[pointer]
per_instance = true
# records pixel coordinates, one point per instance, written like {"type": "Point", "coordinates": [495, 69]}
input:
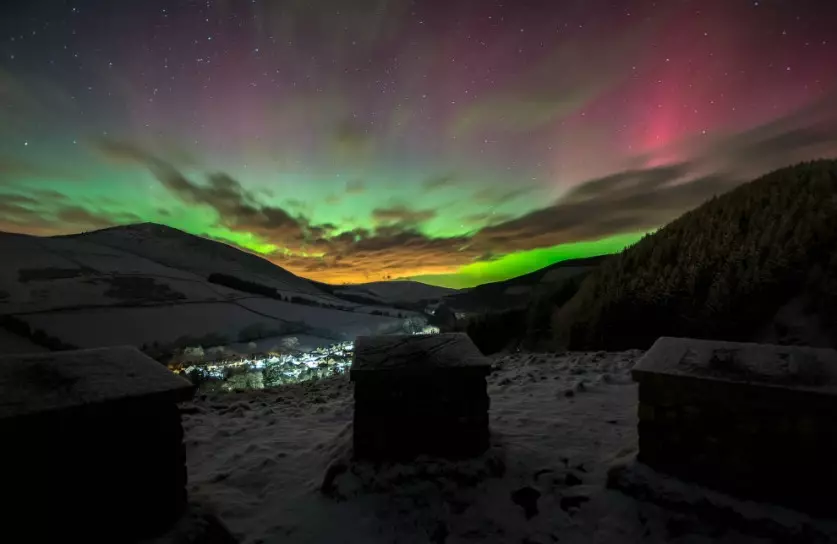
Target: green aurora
{"type": "Point", "coordinates": [452, 143]}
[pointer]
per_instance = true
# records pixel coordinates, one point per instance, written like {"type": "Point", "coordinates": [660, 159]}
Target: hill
{"type": "Point", "coordinates": [518, 291]}
{"type": "Point", "coordinates": [155, 286]}
{"type": "Point", "coordinates": [757, 263]}
{"type": "Point", "coordinates": [177, 249]}
{"type": "Point", "coordinates": [399, 291]}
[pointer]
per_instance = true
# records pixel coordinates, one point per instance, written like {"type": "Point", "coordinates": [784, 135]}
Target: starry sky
{"type": "Point", "coordinates": [455, 142]}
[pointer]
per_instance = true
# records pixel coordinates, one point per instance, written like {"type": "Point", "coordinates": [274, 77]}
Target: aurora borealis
{"type": "Point", "coordinates": [456, 142]}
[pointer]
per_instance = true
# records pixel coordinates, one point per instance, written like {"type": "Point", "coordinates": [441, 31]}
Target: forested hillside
{"type": "Point", "coordinates": [722, 270]}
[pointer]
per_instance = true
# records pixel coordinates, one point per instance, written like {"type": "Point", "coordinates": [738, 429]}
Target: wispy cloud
{"type": "Point", "coordinates": [49, 212]}
{"type": "Point", "coordinates": [556, 87]}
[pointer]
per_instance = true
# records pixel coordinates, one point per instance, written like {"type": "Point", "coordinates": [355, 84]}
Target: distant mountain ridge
{"type": "Point", "coordinates": [520, 290]}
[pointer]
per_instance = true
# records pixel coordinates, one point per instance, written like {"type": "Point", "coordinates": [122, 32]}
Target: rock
{"type": "Point", "coordinates": [572, 502]}
{"type": "Point", "coordinates": [419, 394]}
{"type": "Point", "coordinates": [572, 480]}
{"type": "Point", "coordinates": [527, 498]}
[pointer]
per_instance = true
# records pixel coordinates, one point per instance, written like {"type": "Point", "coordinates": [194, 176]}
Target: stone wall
{"type": "Point", "coordinates": [92, 447]}
{"type": "Point", "coordinates": [106, 474]}
{"type": "Point", "coordinates": [764, 441]}
{"type": "Point", "coordinates": [423, 394]}
{"type": "Point", "coordinates": [443, 413]}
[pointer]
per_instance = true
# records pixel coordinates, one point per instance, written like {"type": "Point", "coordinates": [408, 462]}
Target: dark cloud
{"type": "Point", "coordinates": [808, 132]}
{"type": "Point", "coordinates": [238, 208]}
{"type": "Point", "coordinates": [640, 199]}
{"type": "Point", "coordinates": [395, 246]}
{"type": "Point", "coordinates": [49, 212]}
{"type": "Point", "coordinates": [401, 215]}
{"type": "Point", "coordinates": [633, 201]}
{"type": "Point", "coordinates": [485, 218]}
{"type": "Point", "coordinates": [383, 252]}
{"type": "Point", "coordinates": [627, 182]}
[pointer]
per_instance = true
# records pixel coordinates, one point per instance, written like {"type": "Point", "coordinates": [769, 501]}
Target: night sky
{"type": "Point", "coordinates": [451, 141]}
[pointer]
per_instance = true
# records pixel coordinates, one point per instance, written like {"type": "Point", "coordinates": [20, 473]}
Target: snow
{"type": "Point", "coordinates": [166, 324]}
{"type": "Point", "coordinates": [144, 325]}
{"type": "Point", "coordinates": [183, 251]}
{"type": "Point", "coordinates": [258, 458]}
{"type": "Point", "coordinates": [50, 382]}
{"type": "Point", "coordinates": [350, 324]}
{"type": "Point", "coordinates": [90, 269]}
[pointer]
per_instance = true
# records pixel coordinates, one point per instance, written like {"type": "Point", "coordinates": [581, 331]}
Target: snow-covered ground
{"type": "Point", "coordinates": [558, 423]}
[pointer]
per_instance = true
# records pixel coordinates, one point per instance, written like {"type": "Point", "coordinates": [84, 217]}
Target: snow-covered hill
{"type": "Point", "coordinates": [178, 249]}
{"type": "Point", "coordinates": [150, 284]}
{"type": "Point", "coordinates": [558, 423]}
{"type": "Point", "coordinates": [395, 292]}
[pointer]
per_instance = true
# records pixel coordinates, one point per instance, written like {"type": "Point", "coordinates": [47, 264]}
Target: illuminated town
{"type": "Point", "coordinates": [257, 371]}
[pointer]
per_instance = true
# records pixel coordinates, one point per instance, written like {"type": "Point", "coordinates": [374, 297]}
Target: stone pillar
{"type": "Point", "coordinates": [419, 394]}
{"type": "Point", "coordinates": [96, 445]}
{"type": "Point", "coordinates": [753, 420]}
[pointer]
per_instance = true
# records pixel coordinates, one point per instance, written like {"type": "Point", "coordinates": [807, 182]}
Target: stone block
{"type": "Point", "coordinates": [749, 419]}
{"type": "Point", "coordinates": [419, 394]}
{"type": "Point", "coordinates": [92, 442]}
